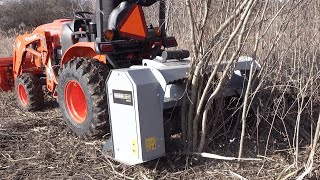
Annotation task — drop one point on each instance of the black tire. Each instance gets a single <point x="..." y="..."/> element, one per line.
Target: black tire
<point x="90" y="75"/>
<point x="28" y="92"/>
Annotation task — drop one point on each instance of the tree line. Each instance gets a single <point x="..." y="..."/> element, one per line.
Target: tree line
<point x="25" y="14"/>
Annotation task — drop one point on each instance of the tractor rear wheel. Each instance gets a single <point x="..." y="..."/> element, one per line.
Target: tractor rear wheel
<point x="82" y="97"/>
<point x="28" y="92"/>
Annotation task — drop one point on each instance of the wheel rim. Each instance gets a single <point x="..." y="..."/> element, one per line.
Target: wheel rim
<point x="22" y="95"/>
<point x="76" y="101"/>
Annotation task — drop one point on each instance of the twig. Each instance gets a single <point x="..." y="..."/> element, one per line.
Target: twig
<point x="213" y="156"/>
<point x="90" y="177"/>
<point x="244" y="111"/>
<point x="309" y="164"/>
<point x="290" y="174"/>
<point x="284" y="171"/>
<point x="265" y="157"/>
<point x="237" y="175"/>
<point x="17" y="160"/>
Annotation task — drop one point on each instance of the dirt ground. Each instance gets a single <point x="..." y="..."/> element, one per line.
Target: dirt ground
<point x="40" y="146"/>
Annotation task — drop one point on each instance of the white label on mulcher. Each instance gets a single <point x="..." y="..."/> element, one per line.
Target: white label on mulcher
<point x="122" y="97"/>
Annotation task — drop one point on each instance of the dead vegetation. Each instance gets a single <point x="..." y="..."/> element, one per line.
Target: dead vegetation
<point x="39" y="146"/>
<point x="283" y="36"/>
<point x="277" y="122"/>
<point x="6" y="44"/>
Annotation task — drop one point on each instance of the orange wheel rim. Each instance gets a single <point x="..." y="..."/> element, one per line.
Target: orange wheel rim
<point x="76" y="101"/>
<point x="22" y="93"/>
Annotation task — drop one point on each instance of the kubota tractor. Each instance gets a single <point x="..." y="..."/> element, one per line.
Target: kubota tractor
<point x="73" y="57"/>
<point x="105" y="75"/>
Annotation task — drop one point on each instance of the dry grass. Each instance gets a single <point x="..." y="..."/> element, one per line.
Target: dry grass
<point x="6" y="44"/>
<point x="39" y="146"/>
<point x="281" y="121"/>
<point x="288" y="95"/>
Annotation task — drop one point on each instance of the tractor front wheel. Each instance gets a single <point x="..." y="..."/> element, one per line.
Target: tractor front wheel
<point x="82" y="97"/>
<point x="28" y="92"/>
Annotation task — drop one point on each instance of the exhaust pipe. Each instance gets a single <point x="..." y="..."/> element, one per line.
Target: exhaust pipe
<point x="162" y="17"/>
<point x="175" y="54"/>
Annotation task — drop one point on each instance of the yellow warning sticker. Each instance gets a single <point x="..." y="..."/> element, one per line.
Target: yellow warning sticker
<point x="151" y="144"/>
<point x="135" y="147"/>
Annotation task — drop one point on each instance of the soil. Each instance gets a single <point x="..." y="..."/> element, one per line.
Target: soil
<point x="40" y="146"/>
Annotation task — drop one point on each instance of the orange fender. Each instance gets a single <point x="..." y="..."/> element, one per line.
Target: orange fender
<point x="82" y="49"/>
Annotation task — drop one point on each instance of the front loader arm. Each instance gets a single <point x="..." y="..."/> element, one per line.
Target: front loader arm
<point x="30" y="51"/>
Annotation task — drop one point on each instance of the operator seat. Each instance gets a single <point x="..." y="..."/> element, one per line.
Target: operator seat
<point x="66" y="36"/>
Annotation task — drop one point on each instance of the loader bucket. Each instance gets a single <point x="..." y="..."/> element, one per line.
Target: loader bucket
<point x="6" y="75"/>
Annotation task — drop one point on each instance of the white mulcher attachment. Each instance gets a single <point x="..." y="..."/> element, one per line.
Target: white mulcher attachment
<point x="138" y="97"/>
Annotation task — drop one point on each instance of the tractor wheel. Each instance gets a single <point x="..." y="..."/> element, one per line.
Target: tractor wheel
<point x="82" y="97"/>
<point x="28" y="92"/>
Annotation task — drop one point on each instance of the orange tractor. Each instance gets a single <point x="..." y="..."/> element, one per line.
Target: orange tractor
<point x="73" y="57"/>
